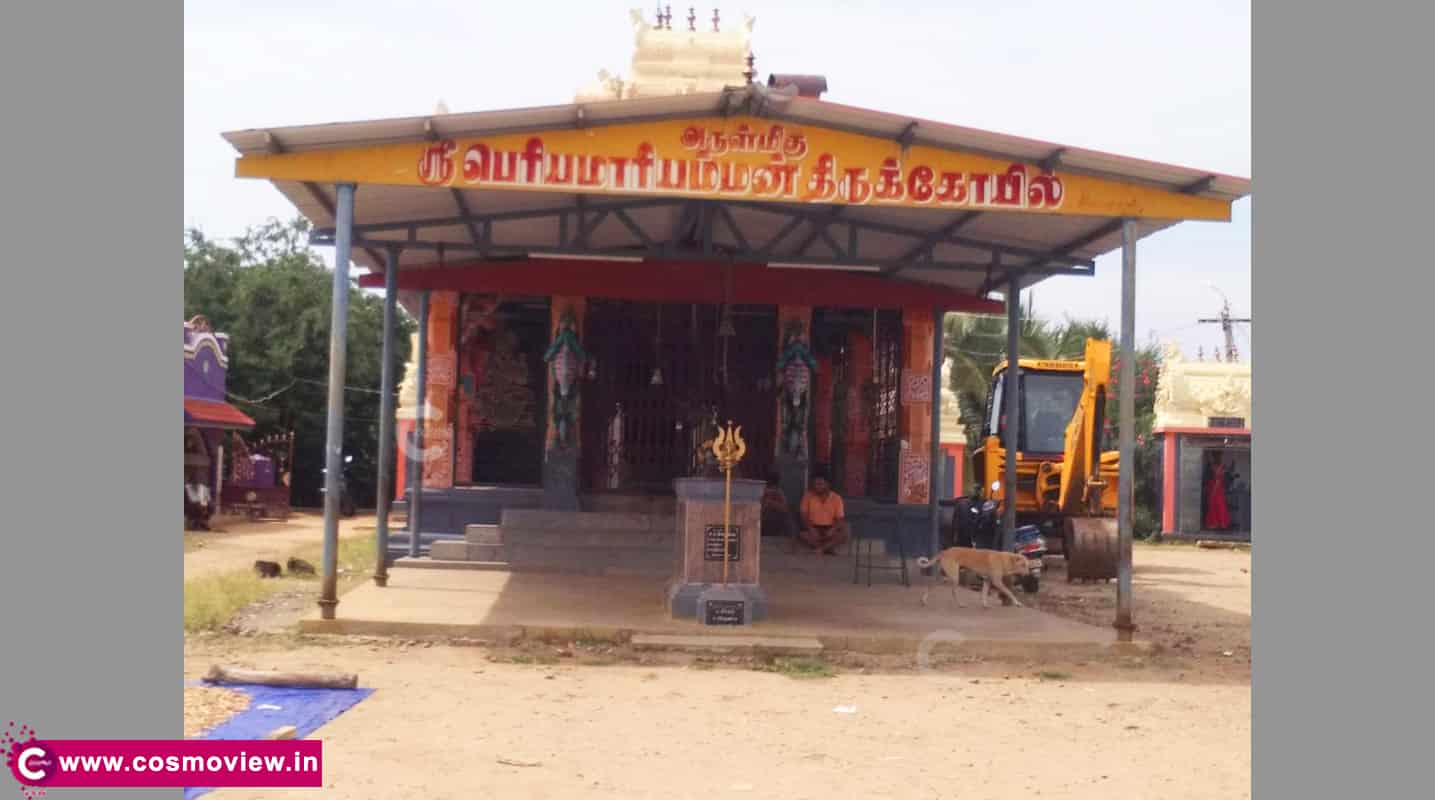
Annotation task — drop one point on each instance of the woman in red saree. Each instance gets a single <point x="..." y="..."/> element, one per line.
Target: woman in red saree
<point x="1218" y="517"/>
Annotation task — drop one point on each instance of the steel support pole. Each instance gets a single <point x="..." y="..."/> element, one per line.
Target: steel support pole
<point x="386" y="417"/>
<point x="1126" y="403"/>
<point x="416" y="501"/>
<point x="1010" y="396"/>
<point x="935" y="471"/>
<point x="334" y="439"/>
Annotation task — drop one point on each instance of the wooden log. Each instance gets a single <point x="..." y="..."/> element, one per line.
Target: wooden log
<point x="1215" y="544"/>
<point x="223" y="675"/>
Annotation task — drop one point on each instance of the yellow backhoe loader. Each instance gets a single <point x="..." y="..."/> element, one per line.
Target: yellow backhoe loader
<point x="1065" y="483"/>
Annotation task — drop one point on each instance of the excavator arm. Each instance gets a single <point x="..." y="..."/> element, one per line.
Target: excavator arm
<point x="1085" y="469"/>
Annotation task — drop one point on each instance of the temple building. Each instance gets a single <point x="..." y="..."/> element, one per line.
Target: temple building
<point x="207" y="416"/>
<point x="1203" y="419"/>
<point x="603" y="286"/>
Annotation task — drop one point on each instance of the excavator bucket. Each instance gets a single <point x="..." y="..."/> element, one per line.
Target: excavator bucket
<point x="1091" y="548"/>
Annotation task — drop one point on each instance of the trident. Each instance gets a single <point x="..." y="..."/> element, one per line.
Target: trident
<point x="729" y="449"/>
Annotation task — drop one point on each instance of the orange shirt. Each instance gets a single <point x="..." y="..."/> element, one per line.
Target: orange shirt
<point x="822" y="512"/>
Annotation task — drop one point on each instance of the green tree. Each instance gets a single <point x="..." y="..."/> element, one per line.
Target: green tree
<point x="271" y="293"/>
<point x="976" y="344"/>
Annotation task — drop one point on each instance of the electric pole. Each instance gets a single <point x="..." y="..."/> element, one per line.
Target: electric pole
<point x="1228" y="325"/>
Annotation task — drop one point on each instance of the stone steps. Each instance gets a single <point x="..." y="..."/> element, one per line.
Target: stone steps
<point x="483" y="534"/>
<point x="588" y="542"/>
<point x="435" y="563"/>
<point x="459" y="550"/>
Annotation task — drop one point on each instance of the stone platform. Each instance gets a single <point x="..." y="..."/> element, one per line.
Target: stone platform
<point x="883" y="618"/>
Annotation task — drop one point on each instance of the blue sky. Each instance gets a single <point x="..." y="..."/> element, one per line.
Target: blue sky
<point x="1163" y="81"/>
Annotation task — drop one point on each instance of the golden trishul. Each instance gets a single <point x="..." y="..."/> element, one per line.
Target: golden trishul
<point x="729" y="448"/>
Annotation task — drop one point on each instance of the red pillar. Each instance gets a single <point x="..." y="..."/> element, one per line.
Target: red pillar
<point x="1168" y="484"/>
<point x="957" y="451"/>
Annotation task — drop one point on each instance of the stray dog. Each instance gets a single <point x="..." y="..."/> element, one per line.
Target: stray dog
<point x="298" y="566"/>
<point x="267" y="569"/>
<point x="993" y="565"/>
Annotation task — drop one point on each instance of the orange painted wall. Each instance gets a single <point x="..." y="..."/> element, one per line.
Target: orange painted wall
<point x="441" y="388"/>
<point x="916" y="415"/>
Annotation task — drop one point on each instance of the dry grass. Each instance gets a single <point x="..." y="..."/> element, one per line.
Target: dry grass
<point x="212" y="601"/>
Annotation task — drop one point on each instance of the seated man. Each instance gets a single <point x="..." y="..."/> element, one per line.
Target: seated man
<point x="776" y="516"/>
<point x="197" y="505"/>
<point x="824" y="520"/>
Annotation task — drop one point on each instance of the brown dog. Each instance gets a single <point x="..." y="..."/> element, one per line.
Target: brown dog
<point x="993" y="565"/>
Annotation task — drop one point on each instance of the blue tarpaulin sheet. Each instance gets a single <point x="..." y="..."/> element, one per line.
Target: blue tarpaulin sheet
<point x="271" y="707"/>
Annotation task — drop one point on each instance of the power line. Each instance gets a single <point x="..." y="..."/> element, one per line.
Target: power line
<point x="346" y="388"/>
<point x="266" y="398"/>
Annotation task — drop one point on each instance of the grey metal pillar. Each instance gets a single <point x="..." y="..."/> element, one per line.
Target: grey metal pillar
<point x="386" y="417"/>
<point x="936" y="472"/>
<point x="1126" y="403"/>
<point x="334" y="439"/>
<point x="416" y="500"/>
<point x="1010" y="395"/>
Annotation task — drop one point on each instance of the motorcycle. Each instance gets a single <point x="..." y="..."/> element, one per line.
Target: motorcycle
<point x="975" y="524"/>
<point x="347" y="507"/>
<point x="1028" y="541"/>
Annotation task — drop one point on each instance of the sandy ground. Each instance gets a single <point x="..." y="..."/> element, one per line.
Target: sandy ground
<point x="1194" y="603"/>
<point x="240" y="543"/>
<point x="597" y="721"/>
<point x="443" y="717"/>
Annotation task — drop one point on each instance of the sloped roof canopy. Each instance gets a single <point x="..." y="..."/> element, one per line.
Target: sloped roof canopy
<point x="963" y="209"/>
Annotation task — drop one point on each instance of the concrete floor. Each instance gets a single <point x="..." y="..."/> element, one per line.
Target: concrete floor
<point x="883" y="618"/>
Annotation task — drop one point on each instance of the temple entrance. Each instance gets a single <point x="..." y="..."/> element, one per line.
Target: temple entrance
<point x="502" y="402"/>
<point x="659" y="374"/>
<point x="857" y="443"/>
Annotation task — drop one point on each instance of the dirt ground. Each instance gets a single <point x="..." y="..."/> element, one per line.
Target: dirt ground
<point x="236" y="544"/>
<point x="595" y="720"/>
<point x="1194" y="603"/>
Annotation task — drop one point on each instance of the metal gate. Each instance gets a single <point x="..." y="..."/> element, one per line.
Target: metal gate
<point x="658" y="377"/>
<point x="884" y="405"/>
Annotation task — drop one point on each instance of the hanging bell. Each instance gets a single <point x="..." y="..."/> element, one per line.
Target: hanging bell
<point x="657" y="379"/>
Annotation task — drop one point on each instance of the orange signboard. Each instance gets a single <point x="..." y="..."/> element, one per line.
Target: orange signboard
<point x="737" y="158"/>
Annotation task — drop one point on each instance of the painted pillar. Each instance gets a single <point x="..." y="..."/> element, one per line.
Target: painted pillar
<point x="441" y="382"/>
<point x="565" y="361"/>
<point x="914" y="479"/>
<point x="956" y="452"/>
<point x="792" y="459"/>
<point x="1168" y="483"/>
